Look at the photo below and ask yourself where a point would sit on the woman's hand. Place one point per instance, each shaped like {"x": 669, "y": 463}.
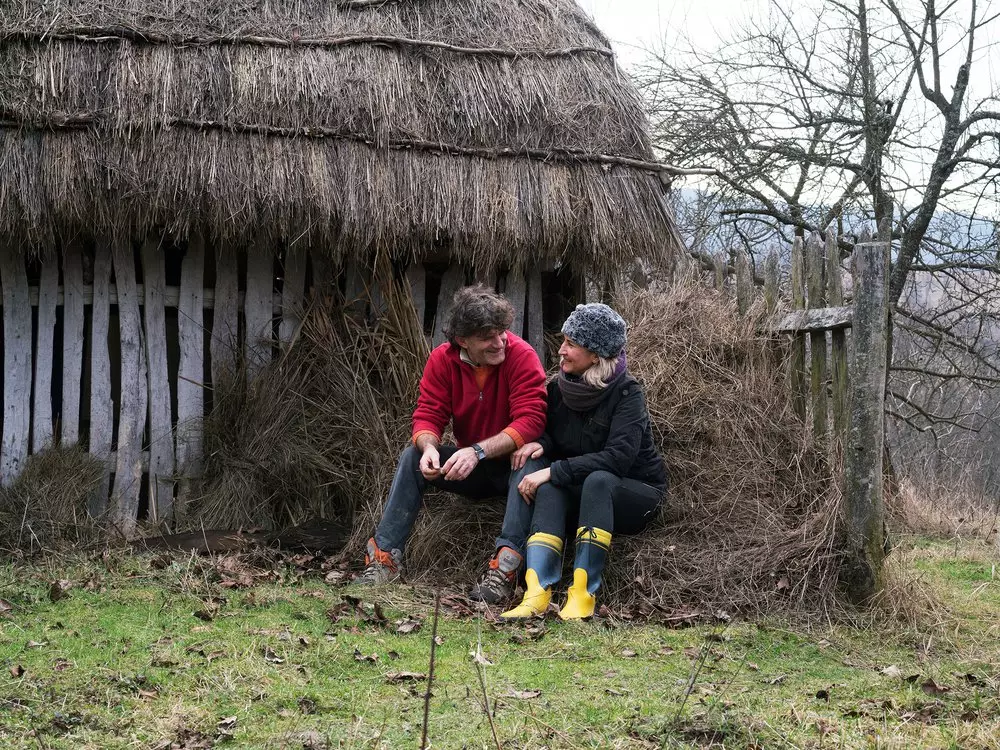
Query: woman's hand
{"x": 530, "y": 483}
{"x": 520, "y": 457}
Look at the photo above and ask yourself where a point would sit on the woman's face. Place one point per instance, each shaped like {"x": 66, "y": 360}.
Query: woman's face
{"x": 574, "y": 359}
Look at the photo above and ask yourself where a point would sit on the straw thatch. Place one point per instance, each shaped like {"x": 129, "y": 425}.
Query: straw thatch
{"x": 499, "y": 132}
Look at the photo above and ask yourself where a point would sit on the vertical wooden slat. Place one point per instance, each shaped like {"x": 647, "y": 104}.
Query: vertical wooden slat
{"x": 101, "y": 407}
{"x": 124, "y": 506}
{"x": 16, "y": 363}
{"x": 771, "y": 283}
{"x": 817, "y": 339}
{"x": 161, "y": 433}
{"x": 323, "y": 274}
{"x": 451, "y": 282}
{"x": 515, "y": 290}
{"x": 48, "y": 298}
{"x": 838, "y": 337}
{"x": 416, "y": 279}
{"x": 535, "y": 329}
{"x": 798, "y": 354}
{"x": 224, "y": 347}
{"x": 191, "y": 365}
{"x": 258, "y": 307}
{"x": 721, "y": 271}
{"x": 861, "y": 573}
{"x": 72, "y": 345}
{"x": 744, "y": 282}
{"x": 292, "y": 294}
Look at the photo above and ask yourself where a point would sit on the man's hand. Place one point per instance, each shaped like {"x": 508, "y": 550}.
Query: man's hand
{"x": 520, "y": 457}
{"x": 529, "y": 484}
{"x": 430, "y": 462}
{"x": 460, "y": 465}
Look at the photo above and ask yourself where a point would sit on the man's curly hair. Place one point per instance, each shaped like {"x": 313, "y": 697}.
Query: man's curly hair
{"x": 477, "y": 309}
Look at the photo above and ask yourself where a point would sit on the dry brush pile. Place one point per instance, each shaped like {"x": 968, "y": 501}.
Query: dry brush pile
{"x": 750, "y": 519}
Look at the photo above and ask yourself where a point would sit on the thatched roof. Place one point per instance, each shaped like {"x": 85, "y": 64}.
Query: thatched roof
{"x": 498, "y": 129}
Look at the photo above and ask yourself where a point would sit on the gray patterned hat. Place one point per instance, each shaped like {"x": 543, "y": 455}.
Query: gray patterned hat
{"x": 596, "y": 327}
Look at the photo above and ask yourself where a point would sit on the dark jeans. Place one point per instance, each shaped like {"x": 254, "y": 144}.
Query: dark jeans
{"x": 491, "y": 478}
{"x": 606, "y": 501}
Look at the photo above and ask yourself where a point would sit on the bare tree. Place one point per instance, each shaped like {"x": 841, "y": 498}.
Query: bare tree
{"x": 851, "y": 111}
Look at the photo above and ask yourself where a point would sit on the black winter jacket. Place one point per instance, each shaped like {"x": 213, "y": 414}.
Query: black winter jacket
{"x": 615, "y": 436}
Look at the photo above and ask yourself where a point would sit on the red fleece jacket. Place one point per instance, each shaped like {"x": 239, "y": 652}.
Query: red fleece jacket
{"x": 482, "y": 401}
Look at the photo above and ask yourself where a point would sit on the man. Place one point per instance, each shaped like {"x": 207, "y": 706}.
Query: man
{"x": 491, "y": 386}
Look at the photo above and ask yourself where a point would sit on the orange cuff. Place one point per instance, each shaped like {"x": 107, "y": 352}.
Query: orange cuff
{"x": 515, "y": 436}
{"x": 418, "y": 433}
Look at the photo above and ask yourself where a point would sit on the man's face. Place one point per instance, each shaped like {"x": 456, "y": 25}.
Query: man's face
{"x": 485, "y": 348}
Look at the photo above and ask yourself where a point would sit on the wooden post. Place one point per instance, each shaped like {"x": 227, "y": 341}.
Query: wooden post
{"x": 101, "y": 406}
{"x": 817, "y": 339}
{"x": 292, "y": 294}
{"x": 861, "y": 573}
{"x": 451, "y": 282}
{"x": 16, "y": 363}
{"x": 534, "y": 329}
{"x": 838, "y": 337}
{"x": 72, "y": 345}
{"x": 744, "y": 282}
{"x": 416, "y": 279}
{"x": 771, "y": 283}
{"x": 124, "y": 506}
{"x": 721, "y": 271}
{"x": 258, "y": 307}
{"x": 224, "y": 347}
{"x": 798, "y": 354}
{"x": 48, "y": 299}
{"x": 515, "y": 290}
{"x": 161, "y": 432}
{"x": 191, "y": 366}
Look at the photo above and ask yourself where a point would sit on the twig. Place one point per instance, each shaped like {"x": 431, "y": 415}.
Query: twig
{"x": 486, "y": 697}
{"x": 430, "y": 671}
{"x": 98, "y": 35}
{"x": 706, "y": 649}
{"x": 83, "y": 120}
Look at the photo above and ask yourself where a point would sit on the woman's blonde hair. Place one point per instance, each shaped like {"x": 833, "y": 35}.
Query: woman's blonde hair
{"x": 600, "y": 372}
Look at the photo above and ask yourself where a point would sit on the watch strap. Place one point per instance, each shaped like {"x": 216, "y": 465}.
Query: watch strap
{"x": 480, "y": 453}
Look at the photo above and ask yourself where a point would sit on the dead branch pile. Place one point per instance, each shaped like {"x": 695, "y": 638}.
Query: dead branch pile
{"x": 316, "y": 433}
{"x": 751, "y": 512}
{"x": 46, "y": 506}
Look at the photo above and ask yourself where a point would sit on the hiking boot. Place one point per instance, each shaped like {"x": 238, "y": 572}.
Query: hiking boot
{"x": 499, "y": 581}
{"x": 381, "y": 566}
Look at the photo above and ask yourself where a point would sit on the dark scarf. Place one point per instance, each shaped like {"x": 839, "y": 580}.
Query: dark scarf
{"x": 579, "y": 396}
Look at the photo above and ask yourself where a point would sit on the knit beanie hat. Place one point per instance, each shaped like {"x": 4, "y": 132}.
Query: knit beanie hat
{"x": 596, "y": 327}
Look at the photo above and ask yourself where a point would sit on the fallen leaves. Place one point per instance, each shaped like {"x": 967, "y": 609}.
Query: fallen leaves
{"x": 522, "y": 695}
{"x": 397, "y": 677}
{"x": 59, "y": 590}
{"x": 16, "y": 671}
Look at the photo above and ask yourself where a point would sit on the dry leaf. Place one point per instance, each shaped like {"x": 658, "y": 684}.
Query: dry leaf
{"x": 17, "y": 671}
{"x": 405, "y": 676}
{"x": 892, "y": 671}
{"x": 148, "y": 695}
{"x": 358, "y": 656}
{"x": 203, "y": 614}
{"x": 439, "y": 640}
{"x": 35, "y": 644}
{"x": 407, "y": 626}
{"x": 479, "y": 657}
{"x": 932, "y": 688}
{"x": 272, "y": 657}
{"x": 227, "y": 723}
{"x": 5, "y": 606}
{"x": 628, "y": 653}
{"x": 58, "y": 590}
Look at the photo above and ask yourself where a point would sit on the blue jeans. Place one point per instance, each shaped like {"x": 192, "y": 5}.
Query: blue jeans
{"x": 491, "y": 478}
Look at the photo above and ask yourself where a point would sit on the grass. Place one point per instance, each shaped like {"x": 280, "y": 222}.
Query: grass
{"x": 157, "y": 652}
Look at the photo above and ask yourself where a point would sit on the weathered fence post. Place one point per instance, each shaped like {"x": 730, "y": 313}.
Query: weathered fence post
{"x": 861, "y": 574}
{"x": 816, "y": 267}
{"x": 744, "y": 282}
{"x": 838, "y": 338}
{"x": 798, "y": 357}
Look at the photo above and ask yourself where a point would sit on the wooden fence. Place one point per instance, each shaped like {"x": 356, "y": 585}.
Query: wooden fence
{"x": 837, "y": 375}
{"x": 115, "y": 346}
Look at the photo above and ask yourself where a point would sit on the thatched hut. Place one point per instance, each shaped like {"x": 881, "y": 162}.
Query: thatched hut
{"x": 177, "y": 175}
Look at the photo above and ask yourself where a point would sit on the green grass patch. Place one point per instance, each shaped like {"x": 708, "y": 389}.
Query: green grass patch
{"x": 154, "y": 653}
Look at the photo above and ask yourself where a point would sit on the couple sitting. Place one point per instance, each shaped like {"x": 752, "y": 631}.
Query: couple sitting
{"x": 584, "y": 444}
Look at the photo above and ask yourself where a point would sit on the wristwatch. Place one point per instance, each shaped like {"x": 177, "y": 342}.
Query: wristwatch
{"x": 480, "y": 453}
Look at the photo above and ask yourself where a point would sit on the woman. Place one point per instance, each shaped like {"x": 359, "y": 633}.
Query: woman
{"x": 601, "y": 455}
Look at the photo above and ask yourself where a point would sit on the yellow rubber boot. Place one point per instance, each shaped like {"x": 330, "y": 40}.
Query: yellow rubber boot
{"x": 592, "y": 547}
{"x": 544, "y": 561}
